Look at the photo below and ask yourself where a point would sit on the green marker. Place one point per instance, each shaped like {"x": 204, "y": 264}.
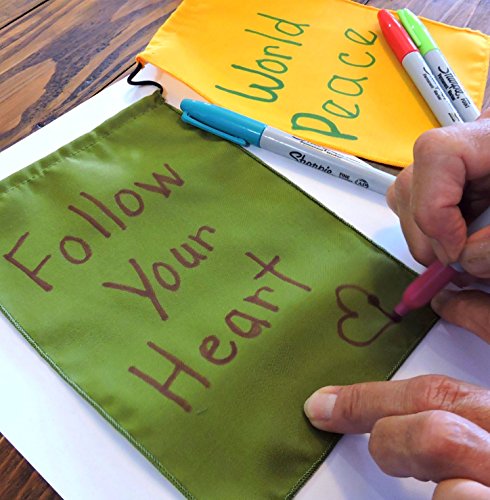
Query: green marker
{"x": 439, "y": 66}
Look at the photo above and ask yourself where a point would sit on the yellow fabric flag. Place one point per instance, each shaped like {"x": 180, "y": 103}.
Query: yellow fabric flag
{"x": 318, "y": 69}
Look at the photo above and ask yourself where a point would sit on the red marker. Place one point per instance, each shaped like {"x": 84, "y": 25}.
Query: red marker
{"x": 415, "y": 66}
{"x": 421, "y": 291}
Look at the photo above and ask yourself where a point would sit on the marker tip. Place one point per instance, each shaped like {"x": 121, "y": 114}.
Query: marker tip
{"x": 401, "y": 310}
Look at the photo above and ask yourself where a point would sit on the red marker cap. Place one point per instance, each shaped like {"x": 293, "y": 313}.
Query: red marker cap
{"x": 398, "y": 39}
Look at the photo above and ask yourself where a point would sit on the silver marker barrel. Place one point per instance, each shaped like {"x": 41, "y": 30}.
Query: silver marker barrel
{"x": 451, "y": 85}
{"x": 430, "y": 90}
{"x": 330, "y": 162}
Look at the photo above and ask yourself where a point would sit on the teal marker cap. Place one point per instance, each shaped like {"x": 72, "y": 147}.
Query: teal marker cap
{"x": 417, "y": 31}
{"x": 222, "y": 122}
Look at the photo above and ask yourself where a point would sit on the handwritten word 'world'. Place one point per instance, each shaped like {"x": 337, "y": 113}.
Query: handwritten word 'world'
{"x": 246, "y": 324}
{"x": 285, "y": 32}
{"x": 262, "y": 81}
{"x": 101, "y": 218}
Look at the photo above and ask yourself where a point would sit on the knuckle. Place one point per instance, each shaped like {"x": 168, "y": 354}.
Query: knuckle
{"x": 377, "y": 444}
{"x": 433, "y": 392}
{"x": 439, "y": 440}
{"x": 434, "y": 141}
{"x": 420, "y": 251}
{"x": 402, "y": 188}
{"x": 480, "y": 325}
{"x": 391, "y": 198}
{"x": 353, "y": 409}
{"x": 471, "y": 310}
{"x": 425, "y": 218}
{"x": 428, "y": 143}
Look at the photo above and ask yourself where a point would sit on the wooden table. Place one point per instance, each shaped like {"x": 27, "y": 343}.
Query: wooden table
{"x": 55, "y": 54}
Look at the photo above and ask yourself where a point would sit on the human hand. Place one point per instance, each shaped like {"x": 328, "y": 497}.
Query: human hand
{"x": 430, "y": 428}
{"x": 448, "y": 185}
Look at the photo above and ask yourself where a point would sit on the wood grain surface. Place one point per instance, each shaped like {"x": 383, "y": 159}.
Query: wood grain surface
{"x": 64, "y": 51}
{"x": 10, "y": 11}
{"x": 55, "y": 54}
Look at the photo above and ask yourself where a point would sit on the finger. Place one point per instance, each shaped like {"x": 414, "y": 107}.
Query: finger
{"x": 475, "y": 258}
{"x": 475, "y": 198}
{"x": 444, "y": 160}
{"x": 356, "y": 408}
{"x": 399, "y": 200}
{"x": 431, "y": 446}
{"x": 468, "y": 309}
{"x": 461, "y": 489}
{"x": 463, "y": 280}
{"x": 391, "y": 198}
{"x": 395, "y": 194}
{"x": 485, "y": 114}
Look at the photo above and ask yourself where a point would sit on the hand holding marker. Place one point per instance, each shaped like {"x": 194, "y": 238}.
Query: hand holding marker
{"x": 421, "y": 291}
{"x": 409, "y": 56}
{"x": 423, "y": 288}
{"x": 439, "y": 66}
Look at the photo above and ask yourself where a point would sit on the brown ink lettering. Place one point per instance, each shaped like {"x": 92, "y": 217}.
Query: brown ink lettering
{"x": 210, "y": 345}
{"x": 33, "y": 274}
{"x": 162, "y": 181}
{"x": 270, "y": 268}
{"x": 173, "y": 287}
{"x": 104, "y": 209}
{"x": 85, "y": 247}
{"x": 199, "y": 240}
{"x": 255, "y": 299}
{"x": 123, "y": 205}
{"x": 93, "y": 222}
{"x": 147, "y": 292}
{"x": 189, "y": 264}
{"x": 254, "y": 327}
{"x": 164, "y": 389}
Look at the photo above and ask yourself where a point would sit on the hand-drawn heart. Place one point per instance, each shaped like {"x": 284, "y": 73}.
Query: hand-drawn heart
{"x": 374, "y": 309}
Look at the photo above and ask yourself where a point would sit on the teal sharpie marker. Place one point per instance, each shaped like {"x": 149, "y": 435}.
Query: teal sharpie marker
{"x": 245, "y": 131}
{"x": 439, "y": 66}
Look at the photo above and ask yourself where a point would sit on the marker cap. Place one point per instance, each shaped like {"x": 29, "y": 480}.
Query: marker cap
{"x": 222, "y": 122}
{"x": 395, "y": 35}
{"x": 417, "y": 31}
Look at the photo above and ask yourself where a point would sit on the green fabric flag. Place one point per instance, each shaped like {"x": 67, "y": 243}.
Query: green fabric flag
{"x": 196, "y": 299}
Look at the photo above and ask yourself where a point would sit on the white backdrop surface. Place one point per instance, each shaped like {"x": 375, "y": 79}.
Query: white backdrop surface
{"x": 82, "y": 456}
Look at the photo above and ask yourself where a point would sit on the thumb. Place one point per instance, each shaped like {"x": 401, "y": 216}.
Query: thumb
{"x": 475, "y": 258}
{"x": 461, "y": 489}
{"x": 468, "y": 309}
{"x": 356, "y": 408}
{"x": 485, "y": 114}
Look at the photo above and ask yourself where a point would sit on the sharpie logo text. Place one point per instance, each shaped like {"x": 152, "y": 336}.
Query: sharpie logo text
{"x": 300, "y": 158}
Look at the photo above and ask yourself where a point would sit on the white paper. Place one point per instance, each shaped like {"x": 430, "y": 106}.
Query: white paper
{"x": 82, "y": 456}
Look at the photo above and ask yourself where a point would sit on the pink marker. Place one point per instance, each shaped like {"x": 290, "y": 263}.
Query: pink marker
{"x": 423, "y": 288}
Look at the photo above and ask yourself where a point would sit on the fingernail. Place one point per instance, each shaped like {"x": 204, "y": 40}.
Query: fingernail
{"x": 441, "y": 253}
{"x": 476, "y": 258}
{"x": 440, "y": 300}
{"x": 320, "y": 405}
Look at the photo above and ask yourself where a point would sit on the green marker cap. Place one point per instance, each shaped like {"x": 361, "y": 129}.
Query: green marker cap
{"x": 417, "y": 31}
